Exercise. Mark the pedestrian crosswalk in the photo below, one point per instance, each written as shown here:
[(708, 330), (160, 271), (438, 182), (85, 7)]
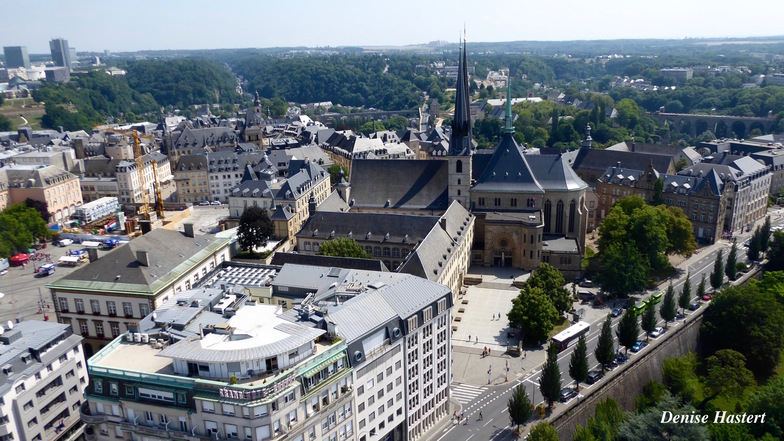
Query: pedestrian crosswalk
[(466, 393)]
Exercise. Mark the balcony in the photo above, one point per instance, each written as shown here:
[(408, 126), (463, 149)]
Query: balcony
[(88, 418)]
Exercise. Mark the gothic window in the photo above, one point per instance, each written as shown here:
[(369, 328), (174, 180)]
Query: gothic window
[(459, 166), (547, 211), (559, 217), (572, 212)]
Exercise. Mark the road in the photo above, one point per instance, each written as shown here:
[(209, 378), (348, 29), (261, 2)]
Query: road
[(492, 401)]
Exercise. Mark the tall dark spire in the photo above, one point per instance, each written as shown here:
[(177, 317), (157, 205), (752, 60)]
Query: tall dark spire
[(508, 117), (460, 143)]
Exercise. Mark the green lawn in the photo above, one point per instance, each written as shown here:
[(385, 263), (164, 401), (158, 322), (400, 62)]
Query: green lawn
[(33, 121), (17, 103), (560, 327)]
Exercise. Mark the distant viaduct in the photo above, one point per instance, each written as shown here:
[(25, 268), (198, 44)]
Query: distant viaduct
[(721, 125)]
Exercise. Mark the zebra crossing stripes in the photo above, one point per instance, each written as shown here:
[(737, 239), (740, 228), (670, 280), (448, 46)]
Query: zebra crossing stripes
[(465, 393)]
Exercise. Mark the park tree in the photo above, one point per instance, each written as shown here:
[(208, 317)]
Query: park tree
[(668, 307), (551, 281), (749, 321), (40, 206), (605, 346), (520, 409), (649, 319), (606, 420), (680, 233), (755, 246), (583, 433), (765, 235), (255, 228), (776, 252), (701, 288), (534, 313), (717, 275), (342, 247), (5, 123), (730, 268), (772, 282), (20, 227), (550, 380), (648, 425), (628, 329), (685, 298), (623, 270), (543, 431), (578, 363), (652, 393), (679, 375), (727, 375), (768, 399)]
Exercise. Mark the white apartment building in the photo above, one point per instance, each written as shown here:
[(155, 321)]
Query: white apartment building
[(129, 185), (45, 377)]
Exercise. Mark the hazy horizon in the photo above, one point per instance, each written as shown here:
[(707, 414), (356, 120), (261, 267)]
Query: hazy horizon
[(94, 26)]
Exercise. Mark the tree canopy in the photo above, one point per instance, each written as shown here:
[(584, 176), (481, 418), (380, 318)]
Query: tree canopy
[(543, 431), (342, 247), (727, 375), (551, 281), (605, 346), (255, 228), (578, 363), (550, 380), (668, 307), (519, 406), (534, 313), (183, 82), (20, 226), (628, 329), (749, 321)]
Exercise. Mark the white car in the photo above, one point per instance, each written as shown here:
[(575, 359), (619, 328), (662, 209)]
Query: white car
[(204, 203), (657, 332), (215, 203), (66, 242)]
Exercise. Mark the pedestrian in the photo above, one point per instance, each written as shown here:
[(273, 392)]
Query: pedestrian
[(499, 316), (469, 337), (489, 351), (480, 416), (493, 316), (477, 339)]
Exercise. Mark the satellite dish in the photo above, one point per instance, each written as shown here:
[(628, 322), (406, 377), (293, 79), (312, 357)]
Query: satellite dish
[(1, 330), (10, 324)]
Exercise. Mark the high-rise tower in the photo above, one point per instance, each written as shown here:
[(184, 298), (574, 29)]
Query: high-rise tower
[(16, 56), (61, 53)]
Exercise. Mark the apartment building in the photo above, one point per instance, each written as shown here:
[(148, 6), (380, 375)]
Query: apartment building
[(192, 179), (45, 377), (56, 187), (130, 186), (107, 297)]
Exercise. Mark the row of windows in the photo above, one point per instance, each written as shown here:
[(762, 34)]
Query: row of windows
[(111, 307)]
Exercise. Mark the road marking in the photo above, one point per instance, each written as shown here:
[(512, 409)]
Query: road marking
[(466, 393)]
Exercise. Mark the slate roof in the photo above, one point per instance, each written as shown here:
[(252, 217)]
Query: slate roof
[(191, 162), (596, 161), (328, 261), (382, 228), (333, 203), (508, 170), (206, 138), (554, 173), (20, 175), (170, 254), (407, 184)]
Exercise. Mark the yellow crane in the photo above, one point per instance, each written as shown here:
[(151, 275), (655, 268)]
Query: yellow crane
[(144, 210), (158, 198)]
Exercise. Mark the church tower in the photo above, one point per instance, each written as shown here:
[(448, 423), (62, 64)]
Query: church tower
[(587, 140), (461, 146)]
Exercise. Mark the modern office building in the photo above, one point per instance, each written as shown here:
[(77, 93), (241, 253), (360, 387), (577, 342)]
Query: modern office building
[(16, 56), (44, 379), (61, 54)]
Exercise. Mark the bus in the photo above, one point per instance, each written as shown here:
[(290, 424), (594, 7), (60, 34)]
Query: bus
[(656, 298), (639, 309), (569, 336)]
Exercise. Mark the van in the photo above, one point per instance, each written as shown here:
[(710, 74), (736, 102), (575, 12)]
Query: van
[(585, 296), (46, 269), (4, 264)]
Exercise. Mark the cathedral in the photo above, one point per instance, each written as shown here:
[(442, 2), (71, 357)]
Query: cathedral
[(529, 208)]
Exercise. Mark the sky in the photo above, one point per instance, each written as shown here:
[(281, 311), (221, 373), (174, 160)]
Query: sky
[(93, 25)]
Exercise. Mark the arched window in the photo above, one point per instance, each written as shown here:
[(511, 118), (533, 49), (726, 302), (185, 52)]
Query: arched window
[(559, 217), (572, 213), (459, 166), (547, 211)]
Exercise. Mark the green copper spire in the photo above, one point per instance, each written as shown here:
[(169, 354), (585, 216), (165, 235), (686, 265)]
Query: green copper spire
[(509, 128)]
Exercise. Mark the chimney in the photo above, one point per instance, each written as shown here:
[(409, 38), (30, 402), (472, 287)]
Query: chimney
[(188, 229), (142, 257), (92, 253)]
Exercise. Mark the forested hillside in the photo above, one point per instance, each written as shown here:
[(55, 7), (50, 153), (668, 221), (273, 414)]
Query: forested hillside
[(183, 82)]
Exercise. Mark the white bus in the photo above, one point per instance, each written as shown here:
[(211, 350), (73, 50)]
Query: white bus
[(569, 336)]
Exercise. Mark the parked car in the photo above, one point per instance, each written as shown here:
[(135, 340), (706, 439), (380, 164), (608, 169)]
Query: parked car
[(639, 346), (66, 242), (585, 296), (204, 203), (657, 332), (693, 306), (620, 358), (706, 297), (215, 203), (629, 303), (567, 394), (617, 311), (585, 283), (594, 376), (45, 269)]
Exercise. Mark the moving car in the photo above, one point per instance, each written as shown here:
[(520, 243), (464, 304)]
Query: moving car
[(594, 376), (616, 311), (567, 394), (657, 332), (639, 346)]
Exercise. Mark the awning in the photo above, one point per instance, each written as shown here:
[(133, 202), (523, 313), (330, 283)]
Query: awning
[(69, 259), (91, 244), (315, 370)]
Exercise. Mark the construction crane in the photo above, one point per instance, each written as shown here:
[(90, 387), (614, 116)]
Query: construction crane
[(158, 198), (144, 210)]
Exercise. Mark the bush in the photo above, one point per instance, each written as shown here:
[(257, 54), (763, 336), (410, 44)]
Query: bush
[(541, 410), (740, 267), (233, 380)]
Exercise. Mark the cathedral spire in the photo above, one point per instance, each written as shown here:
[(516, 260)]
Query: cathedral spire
[(460, 143), (508, 117)]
